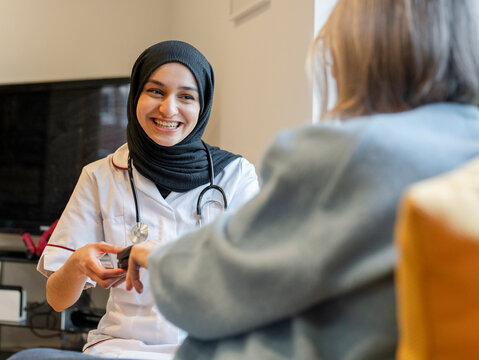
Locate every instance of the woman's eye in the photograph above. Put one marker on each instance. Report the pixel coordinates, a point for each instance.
(155, 91)
(187, 97)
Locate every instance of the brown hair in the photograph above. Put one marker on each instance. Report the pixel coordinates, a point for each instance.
(393, 55)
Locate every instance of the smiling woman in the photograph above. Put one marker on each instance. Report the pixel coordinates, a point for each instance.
(169, 104)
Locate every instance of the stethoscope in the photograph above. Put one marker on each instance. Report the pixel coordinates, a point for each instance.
(139, 231)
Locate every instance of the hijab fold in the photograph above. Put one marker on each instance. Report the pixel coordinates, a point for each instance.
(183, 166)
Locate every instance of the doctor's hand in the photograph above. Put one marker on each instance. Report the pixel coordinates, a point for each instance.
(138, 259)
(86, 261)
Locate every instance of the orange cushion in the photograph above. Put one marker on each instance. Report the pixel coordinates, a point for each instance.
(437, 234)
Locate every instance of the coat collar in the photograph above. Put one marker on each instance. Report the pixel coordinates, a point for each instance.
(120, 162)
(120, 158)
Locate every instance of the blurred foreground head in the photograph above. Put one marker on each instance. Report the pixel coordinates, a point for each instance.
(394, 55)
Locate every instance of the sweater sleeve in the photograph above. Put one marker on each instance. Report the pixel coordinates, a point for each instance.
(285, 250)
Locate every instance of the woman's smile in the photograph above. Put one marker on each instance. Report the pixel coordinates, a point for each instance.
(166, 124)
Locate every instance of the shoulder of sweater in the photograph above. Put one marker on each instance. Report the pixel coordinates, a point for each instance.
(328, 141)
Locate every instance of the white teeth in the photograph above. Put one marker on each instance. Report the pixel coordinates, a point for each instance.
(167, 124)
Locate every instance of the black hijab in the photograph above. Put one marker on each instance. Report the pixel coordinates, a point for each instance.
(183, 166)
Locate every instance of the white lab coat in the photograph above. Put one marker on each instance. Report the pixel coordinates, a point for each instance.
(102, 208)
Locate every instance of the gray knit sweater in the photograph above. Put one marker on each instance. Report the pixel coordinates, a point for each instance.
(305, 269)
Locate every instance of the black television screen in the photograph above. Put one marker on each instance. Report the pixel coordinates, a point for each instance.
(48, 132)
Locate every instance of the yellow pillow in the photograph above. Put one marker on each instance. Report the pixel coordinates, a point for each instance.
(437, 234)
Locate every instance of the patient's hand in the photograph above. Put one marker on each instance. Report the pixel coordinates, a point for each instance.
(138, 259)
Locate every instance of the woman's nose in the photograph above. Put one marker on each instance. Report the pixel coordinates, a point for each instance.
(168, 107)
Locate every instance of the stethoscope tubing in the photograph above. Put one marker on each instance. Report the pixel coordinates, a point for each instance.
(133, 189)
(211, 186)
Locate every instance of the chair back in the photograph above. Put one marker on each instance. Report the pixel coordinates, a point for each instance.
(437, 276)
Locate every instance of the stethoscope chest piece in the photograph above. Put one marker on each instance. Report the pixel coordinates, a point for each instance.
(139, 233)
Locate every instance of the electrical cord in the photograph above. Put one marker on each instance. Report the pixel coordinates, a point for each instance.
(39, 310)
(40, 315)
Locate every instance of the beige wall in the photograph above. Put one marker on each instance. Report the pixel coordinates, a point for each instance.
(261, 84)
(45, 40)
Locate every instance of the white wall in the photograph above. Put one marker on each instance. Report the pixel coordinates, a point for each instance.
(70, 39)
(261, 83)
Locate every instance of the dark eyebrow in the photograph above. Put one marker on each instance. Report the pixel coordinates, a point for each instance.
(159, 83)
